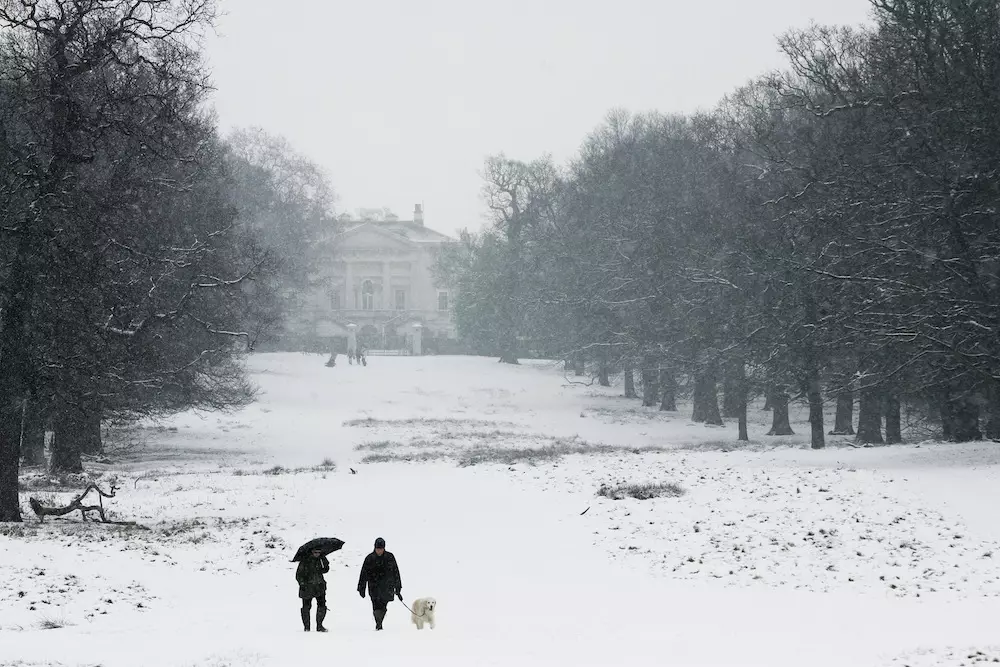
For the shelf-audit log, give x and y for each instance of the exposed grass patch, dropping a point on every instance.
(415, 443)
(511, 455)
(378, 445)
(371, 422)
(328, 465)
(415, 457)
(547, 449)
(50, 623)
(641, 491)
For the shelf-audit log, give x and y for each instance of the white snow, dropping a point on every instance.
(775, 555)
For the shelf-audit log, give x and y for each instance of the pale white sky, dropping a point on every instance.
(401, 100)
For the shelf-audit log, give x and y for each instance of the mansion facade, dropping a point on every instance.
(380, 291)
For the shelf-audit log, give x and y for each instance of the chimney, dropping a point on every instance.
(418, 214)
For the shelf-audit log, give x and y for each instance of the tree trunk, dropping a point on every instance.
(67, 442)
(649, 374)
(843, 423)
(14, 347)
(768, 405)
(603, 378)
(10, 455)
(947, 418)
(893, 425)
(779, 418)
(869, 418)
(732, 390)
(33, 437)
(963, 413)
(706, 399)
(509, 355)
(741, 413)
(991, 425)
(814, 393)
(668, 390)
(629, 382)
(90, 431)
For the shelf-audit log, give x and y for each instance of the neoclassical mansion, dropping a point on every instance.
(380, 289)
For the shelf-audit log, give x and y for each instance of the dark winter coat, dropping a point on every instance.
(309, 574)
(380, 575)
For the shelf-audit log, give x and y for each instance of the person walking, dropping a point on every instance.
(312, 584)
(380, 576)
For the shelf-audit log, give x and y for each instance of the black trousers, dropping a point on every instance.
(320, 602)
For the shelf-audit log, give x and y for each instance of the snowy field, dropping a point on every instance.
(484, 481)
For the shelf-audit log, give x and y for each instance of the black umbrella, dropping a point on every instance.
(326, 545)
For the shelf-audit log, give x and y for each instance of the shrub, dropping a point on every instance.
(641, 491)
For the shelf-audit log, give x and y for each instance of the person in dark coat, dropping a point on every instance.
(380, 575)
(309, 574)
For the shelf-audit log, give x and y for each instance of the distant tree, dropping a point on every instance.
(119, 238)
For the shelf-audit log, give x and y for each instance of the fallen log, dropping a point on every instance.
(41, 511)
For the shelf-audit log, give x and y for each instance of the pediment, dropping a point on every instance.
(367, 236)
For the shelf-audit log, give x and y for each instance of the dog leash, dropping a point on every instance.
(410, 610)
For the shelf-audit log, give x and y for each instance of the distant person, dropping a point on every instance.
(361, 356)
(380, 576)
(312, 584)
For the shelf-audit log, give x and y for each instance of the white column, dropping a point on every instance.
(416, 339)
(352, 337)
(389, 299)
(349, 303)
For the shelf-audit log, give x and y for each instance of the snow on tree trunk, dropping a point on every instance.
(779, 418)
(668, 390)
(869, 418)
(629, 382)
(706, 399)
(579, 364)
(843, 423)
(893, 425)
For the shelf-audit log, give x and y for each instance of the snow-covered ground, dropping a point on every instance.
(483, 479)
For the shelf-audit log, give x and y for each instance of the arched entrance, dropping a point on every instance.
(368, 295)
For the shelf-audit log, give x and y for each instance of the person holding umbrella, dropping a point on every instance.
(380, 575)
(313, 564)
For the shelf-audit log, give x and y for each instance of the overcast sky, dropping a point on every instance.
(401, 100)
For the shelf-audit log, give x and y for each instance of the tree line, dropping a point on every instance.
(141, 252)
(828, 233)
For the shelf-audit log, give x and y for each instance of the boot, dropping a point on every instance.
(379, 617)
(320, 615)
(305, 619)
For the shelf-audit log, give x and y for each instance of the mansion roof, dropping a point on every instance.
(406, 230)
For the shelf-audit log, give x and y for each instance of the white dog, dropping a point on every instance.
(423, 612)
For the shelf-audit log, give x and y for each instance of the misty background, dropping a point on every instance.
(401, 102)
